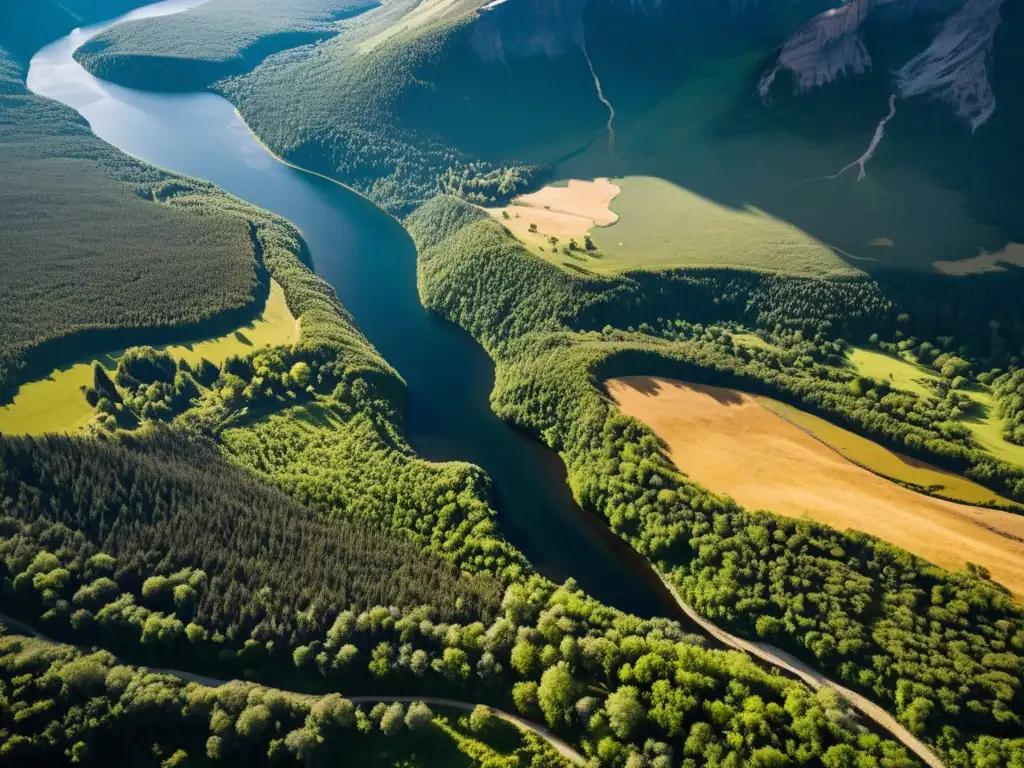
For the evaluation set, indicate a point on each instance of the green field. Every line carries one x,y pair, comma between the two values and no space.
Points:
885,462
902,374
662,225
56,403
899,373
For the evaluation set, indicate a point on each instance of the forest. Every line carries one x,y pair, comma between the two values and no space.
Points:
944,651
1009,392
216,40
135,252
61,705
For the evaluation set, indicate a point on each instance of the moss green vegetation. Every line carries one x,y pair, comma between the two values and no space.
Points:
45,687
887,463
102,251
221,38
662,225
900,373
921,641
57,403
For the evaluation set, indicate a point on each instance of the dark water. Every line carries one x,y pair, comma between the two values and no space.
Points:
371,262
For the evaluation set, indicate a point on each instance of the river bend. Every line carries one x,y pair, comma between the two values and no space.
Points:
371,262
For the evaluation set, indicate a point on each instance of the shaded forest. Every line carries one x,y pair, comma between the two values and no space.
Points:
219,39
117,247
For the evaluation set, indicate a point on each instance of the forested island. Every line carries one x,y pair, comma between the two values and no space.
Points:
245,560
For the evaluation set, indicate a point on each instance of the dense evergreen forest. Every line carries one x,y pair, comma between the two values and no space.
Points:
27,27
118,247
221,38
944,651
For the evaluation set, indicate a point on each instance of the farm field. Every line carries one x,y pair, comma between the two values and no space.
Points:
727,441
901,374
883,461
566,211
56,403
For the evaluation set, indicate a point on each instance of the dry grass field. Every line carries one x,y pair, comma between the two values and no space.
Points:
731,444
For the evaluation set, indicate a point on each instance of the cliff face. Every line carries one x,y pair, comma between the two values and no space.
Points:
953,68
508,29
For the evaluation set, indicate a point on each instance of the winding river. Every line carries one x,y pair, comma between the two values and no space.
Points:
371,262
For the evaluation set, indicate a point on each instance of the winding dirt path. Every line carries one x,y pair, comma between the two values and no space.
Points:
559,745
789,663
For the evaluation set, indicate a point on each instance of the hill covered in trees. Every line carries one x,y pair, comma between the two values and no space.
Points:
902,631
410,99
221,38
119,250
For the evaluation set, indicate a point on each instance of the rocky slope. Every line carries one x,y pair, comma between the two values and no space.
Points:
954,67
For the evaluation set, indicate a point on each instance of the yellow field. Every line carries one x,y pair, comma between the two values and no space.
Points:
880,459
566,212
729,443
56,403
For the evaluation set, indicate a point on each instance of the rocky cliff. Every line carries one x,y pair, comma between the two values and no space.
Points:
954,67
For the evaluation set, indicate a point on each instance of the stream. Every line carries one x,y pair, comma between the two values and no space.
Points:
371,262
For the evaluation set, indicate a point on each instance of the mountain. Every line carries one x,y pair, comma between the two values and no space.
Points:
954,67
781,106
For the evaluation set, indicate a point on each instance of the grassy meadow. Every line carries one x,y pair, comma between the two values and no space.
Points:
57,403
885,462
902,374
662,225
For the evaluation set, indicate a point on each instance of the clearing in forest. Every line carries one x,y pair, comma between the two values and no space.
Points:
57,403
726,441
982,420
568,211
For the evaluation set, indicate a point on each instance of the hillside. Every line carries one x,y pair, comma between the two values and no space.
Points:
114,253
191,50
411,99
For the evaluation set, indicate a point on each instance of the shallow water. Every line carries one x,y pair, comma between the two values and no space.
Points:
371,262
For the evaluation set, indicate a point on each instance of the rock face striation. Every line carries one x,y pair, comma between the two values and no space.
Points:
954,67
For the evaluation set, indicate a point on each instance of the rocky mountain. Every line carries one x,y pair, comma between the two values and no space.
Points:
953,67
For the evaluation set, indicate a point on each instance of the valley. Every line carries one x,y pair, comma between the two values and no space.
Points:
414,241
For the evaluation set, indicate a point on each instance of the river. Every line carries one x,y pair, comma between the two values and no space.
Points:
371,262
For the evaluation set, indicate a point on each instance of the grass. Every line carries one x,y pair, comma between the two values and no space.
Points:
726,441
899,373
752,340
56,403
902,374
662,225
